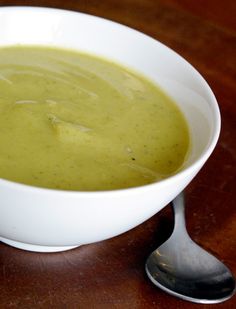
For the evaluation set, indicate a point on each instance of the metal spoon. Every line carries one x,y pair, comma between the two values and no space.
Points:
181,268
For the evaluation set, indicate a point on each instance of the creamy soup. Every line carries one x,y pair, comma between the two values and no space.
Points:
74,121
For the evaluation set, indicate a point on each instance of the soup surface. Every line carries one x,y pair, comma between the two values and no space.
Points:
73,121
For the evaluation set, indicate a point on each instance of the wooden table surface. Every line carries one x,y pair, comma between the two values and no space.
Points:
110,274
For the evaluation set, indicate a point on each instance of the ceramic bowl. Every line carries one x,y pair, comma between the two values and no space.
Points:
47,220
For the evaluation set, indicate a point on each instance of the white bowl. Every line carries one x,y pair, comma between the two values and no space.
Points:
46,220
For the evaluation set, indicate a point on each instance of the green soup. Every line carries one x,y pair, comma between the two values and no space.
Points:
73,121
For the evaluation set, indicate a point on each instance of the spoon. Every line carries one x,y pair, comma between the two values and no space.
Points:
181,268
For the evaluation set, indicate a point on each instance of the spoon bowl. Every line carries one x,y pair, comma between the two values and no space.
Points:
182,268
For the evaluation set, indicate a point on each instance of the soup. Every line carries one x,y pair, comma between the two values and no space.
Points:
74,121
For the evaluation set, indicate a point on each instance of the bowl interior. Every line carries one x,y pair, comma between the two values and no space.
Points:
23,25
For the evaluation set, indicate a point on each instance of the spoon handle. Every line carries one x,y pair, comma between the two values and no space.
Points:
178,208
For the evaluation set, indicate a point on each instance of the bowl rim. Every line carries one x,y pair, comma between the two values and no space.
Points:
132,190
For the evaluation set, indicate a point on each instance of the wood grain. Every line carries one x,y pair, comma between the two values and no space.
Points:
110,274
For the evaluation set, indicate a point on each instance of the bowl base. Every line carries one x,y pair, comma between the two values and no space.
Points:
35,248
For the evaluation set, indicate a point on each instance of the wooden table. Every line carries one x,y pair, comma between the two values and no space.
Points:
110,274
